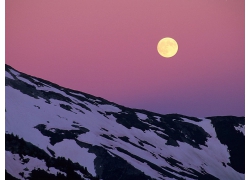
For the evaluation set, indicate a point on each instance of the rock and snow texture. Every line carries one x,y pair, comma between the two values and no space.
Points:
99,139
240,128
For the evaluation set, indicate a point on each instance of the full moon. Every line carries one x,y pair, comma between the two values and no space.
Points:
167,47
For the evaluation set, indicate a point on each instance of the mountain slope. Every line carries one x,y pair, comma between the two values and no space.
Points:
55,132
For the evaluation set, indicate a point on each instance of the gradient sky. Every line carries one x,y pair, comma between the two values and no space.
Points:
109,49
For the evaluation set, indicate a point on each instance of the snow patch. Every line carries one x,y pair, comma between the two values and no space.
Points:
141,116
8,75
79,172
217,152
14,72
110,154
240,128
69,149
78,94
54,171
14,165
109,108
26,81
157,118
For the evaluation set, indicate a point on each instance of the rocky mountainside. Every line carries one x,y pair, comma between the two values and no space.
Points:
52,132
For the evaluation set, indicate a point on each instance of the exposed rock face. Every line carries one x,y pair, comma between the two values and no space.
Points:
58,133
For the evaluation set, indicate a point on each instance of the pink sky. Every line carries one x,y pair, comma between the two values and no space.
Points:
109,49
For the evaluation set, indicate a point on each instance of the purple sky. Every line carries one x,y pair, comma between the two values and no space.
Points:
109,49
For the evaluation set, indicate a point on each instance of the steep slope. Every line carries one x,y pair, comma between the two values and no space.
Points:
54,132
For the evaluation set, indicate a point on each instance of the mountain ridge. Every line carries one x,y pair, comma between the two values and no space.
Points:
142,144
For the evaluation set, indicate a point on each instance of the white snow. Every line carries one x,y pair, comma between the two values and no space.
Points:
18,120
137,164
54,171
240,128
79,172
110,153
142,116
78,94
150,125
14,165
69,149
26,81
14,72
22,116
109,108
157,118
216,152
8,75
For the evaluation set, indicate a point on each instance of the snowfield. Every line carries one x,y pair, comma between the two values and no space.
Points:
105,138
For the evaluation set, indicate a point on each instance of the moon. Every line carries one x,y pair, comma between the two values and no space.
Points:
167,47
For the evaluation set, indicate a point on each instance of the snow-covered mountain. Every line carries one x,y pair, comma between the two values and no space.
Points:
53,132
